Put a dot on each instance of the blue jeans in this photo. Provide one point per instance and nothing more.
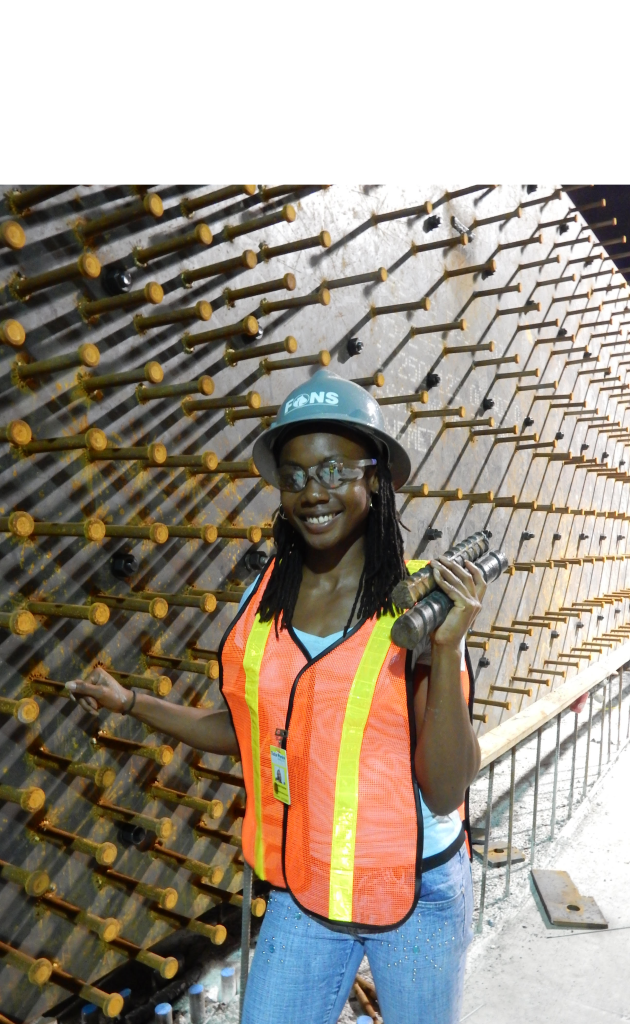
(302, 972)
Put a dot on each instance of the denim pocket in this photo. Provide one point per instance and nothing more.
(443, 885)
(439, 903)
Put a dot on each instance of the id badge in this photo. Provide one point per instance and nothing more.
(280, 773)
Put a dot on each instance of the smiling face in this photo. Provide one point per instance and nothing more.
(327, 518)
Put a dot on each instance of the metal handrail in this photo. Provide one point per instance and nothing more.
(517, 728)
(532, 721)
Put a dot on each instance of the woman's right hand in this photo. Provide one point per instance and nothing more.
(99, 690)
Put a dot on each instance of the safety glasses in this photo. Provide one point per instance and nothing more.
(331, 473)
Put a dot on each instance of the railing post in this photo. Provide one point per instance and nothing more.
(555, 779)
(573, 758)
(619, 699)
(508, 866)
(246, 922)
(532, 855)
(610, 680)
(601, 738)
(486, 844)
(588, 743)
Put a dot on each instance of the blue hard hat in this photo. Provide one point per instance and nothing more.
(327, 398)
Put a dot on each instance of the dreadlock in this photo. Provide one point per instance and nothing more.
(384, 565)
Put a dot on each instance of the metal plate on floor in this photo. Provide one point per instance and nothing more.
(498, 855)
(563, 902)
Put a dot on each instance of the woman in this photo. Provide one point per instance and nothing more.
(355, 760)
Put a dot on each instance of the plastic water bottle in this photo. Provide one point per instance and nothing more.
(228, 984)
(163, 1013)
(196, 1004)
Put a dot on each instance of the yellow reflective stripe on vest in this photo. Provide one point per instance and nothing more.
(254, 651)
(347, 783)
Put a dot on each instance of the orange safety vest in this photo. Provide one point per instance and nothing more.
(349, 845)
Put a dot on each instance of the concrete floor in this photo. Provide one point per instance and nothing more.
(526, 970)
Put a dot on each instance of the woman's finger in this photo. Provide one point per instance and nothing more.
(91, 707)
(478, 577)
(99, 676)
(453, 587)
(81, 688)
(459, 572)
(454, 581)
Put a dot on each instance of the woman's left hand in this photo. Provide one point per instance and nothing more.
(466, 588)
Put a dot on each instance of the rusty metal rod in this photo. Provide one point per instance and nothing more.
(520, 243)
(213, 874)
(153, 454)
(409, 211)
(202, 386)
(212, 808)
(421, 396)
(149, 206)
(190, 204)
(12, 333)
(446, 243)
(234, 356)
(87, 354)
(201, 235)
(101, 775)
(267, 252)
(163, 827)
(497, 291)
(318, 359)
(481, 268)
(529, 307)
(210, 669)
(246, 261)
(248, 326)
(319, 298)
(232, 295)
(151, 372)
(265, 412)
(202, 310)
(455, 410)
(450, 350)
(250, 401)
(22, 202)
(204, 603)
(479, 222)
(287, 215)
(25, 710)
(457, 325)
(103, 853)
(161, 686)
(401, 307)
(157, 532)
(87, 266)
(96, 613)
(156, 607)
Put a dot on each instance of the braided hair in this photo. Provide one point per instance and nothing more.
(384, 565)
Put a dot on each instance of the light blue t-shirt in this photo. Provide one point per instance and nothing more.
(439, 830)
